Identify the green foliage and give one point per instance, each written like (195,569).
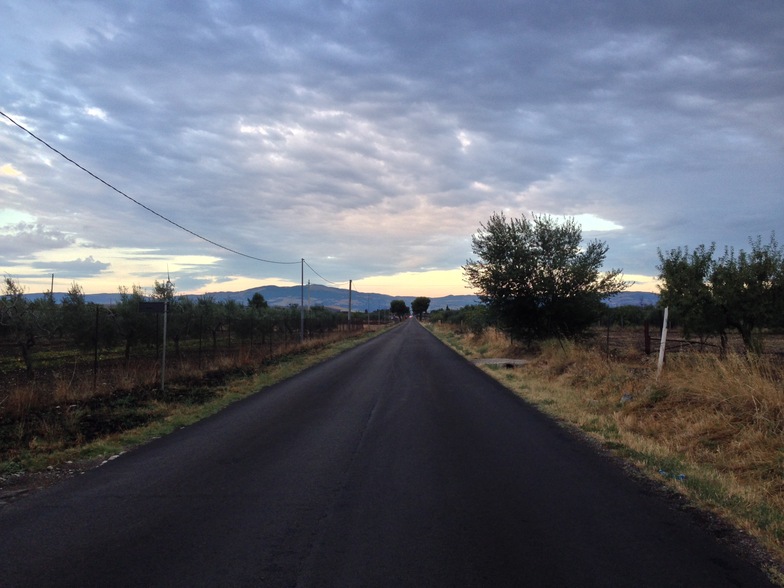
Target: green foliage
(22,322)
(399,308)
(474,318)
(77,318)
(163,290)
(257,301)
(538,277)
(686,276)
(43,333)
(743,291)
(420,305)
(631,315)
(132,326)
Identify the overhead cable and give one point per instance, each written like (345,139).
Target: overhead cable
(144,206)
(320,276)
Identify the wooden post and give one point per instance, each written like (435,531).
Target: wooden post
(163,356)
(302,301)
(663,343)
(95,350)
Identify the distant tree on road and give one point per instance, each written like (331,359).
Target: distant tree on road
(420,305)
(399,308)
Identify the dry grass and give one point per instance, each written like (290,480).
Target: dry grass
(75,383)
(42,426)
(711,428)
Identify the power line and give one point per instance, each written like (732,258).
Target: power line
(320,276)
(144,206)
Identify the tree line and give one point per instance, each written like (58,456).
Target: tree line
(26,323)
(537,279)
(714,295)
(419,306)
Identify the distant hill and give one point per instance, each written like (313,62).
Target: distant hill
(633,299)
(315,295)
(338,298)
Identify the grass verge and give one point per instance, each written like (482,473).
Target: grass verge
(710,429)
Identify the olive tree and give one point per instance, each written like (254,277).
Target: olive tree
(18,322)
(538,278)
(420,305)
(399,308)
(132,326)
(78,321)
(743,291)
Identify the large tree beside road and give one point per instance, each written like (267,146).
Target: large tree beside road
(538,277)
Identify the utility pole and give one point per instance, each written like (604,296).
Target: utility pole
(302,302)
(349,303)
(169,292)
(163,356)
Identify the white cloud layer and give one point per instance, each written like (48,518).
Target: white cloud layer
(372,138)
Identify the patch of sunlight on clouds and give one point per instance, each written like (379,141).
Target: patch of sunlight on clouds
(143,264)
(431,283)
(278,131)
(96,112)
(125,267)
(481,187)
(10,171)
(591,222)
(10,217)
(465,142)
(642,283)
(251,129)
(326,114)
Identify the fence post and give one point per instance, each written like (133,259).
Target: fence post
(95,350)
(163,356)
(663,343)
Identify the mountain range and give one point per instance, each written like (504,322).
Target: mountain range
(338,298)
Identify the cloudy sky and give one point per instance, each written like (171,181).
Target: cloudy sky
(372,138)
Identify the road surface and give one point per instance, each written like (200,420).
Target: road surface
(397,463)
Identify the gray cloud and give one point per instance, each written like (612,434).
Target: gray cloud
(75,268)
(375,137)
(20,240)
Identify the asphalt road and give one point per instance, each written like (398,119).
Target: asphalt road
(397,463)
